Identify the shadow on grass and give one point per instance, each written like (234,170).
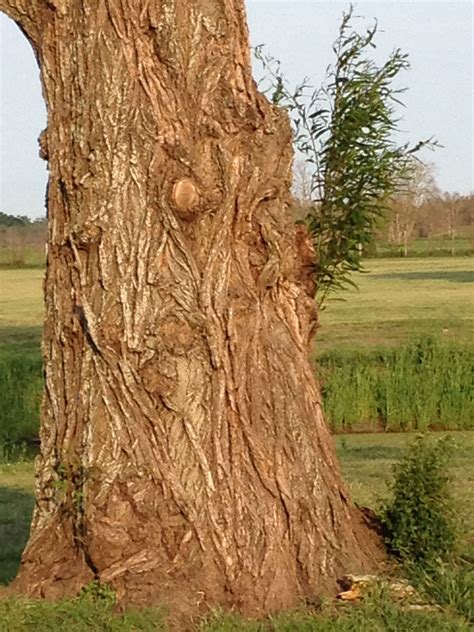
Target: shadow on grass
(16,508)
(453,276)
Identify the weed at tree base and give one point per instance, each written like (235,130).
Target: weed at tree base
(422,528)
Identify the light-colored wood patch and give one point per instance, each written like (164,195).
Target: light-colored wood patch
(185,194)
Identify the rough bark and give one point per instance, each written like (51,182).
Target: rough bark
(184,456)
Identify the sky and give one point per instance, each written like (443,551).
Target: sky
(437,35)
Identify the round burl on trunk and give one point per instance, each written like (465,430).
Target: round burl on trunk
(184,455)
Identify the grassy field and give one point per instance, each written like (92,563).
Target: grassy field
(21,302)
(427,384)
(396,300)
(366,463)
(401,299)
(396,354)
(21,310)
(432,246)
(30,257)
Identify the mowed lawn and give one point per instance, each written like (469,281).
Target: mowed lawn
(21,308)
(401,299)
(21,300)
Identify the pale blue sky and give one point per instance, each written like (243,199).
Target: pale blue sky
(438,35)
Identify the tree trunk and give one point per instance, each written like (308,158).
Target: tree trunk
(451,230)
(184,456)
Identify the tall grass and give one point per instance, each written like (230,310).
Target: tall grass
(20,395)
(424,385)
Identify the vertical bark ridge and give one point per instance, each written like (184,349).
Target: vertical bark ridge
(184,452)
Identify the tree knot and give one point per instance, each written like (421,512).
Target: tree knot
(185,196)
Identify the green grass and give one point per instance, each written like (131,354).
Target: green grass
(447,584)
(76,615)
(376,614)
(428,384)
(400,300)
(16,507)
(21,386)
(372,377)
(21,315)
(366,463)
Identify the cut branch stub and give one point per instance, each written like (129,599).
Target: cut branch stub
(185,196)
(43,145)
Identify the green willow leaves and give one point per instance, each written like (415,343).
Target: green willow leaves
(346,131)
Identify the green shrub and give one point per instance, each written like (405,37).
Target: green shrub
(95,591)
(418,520)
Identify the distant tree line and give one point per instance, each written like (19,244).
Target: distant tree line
(22,240)
(425,212)
(421,212)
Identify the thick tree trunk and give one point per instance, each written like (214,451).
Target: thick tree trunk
(184,459)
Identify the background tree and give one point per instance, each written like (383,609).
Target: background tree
(454,206)
(184,456)
(432,215)
(301,189)
(407,208)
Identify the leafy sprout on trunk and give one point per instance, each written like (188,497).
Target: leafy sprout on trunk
(346,130)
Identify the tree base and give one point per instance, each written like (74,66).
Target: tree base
(193,588)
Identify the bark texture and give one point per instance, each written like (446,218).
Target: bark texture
(185,459)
